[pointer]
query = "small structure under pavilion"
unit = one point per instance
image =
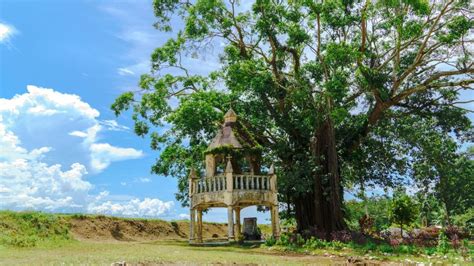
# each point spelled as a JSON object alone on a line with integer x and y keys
{"x": 232, "y": 180}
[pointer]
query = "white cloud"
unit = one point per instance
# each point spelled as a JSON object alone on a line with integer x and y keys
{"x": 145, "y": 180}
{"x": 39, "y": 131}
{"x": 103, "y": 154}
{"x": 113, "y": 125}
{"x": 183, "y": 216}
{"x": 134, "y": 208}
{"x": 29, "y": 183}
{"x": 125, "y": 72}
{"x": 45, "y": 117}
{"x": 7, "y": 32}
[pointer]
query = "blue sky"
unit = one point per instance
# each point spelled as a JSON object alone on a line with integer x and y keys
{"x": 62, "y": 63}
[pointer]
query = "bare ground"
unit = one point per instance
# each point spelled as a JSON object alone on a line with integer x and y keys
{"x": 103, "y": 229}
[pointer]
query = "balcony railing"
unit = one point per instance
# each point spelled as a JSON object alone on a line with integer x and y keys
{"x": 239, "y": 182}
{"x": 211, "y": 184}
{"x": 251, "y": 182}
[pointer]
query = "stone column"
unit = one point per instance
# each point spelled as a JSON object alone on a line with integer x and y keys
{"x": 192, "y": 220}
{"x": 230, "y": 223}
{"x": 210, "y": 165}
{"x": 237, "y": 223}
{"x": 199, "y": 229}
{"x": 275, "y": 221}
{"x": 228, "y": 175}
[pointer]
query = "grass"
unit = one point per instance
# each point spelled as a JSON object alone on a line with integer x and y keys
{"x": 29, "y": 229}
{"x": 39, "y": 238}
{"x": 177, "y": 252}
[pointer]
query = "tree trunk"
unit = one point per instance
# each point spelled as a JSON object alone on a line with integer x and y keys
{"x": 321, "y": 210}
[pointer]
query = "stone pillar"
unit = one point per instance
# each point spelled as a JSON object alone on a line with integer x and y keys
{"x": 273, "y": 179}
{"x": 230, "y": 223}
{"x": 192, "y": 220}
{"x": 275, "y": 221}
{"x": 229, "y": 175}
{"x": 199, "y": 229}
{"x": 237, "y": 223}
{"x": 210, "y": 165}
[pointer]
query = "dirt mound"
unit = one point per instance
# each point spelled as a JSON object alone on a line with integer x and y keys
{"x": 103, "y": 228}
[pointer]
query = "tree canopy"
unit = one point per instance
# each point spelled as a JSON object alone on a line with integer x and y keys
{"x": 336, "y": 92}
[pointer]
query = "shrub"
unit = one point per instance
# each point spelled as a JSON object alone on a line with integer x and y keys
{"x": 369, "y": 246}
{"x": 342, "y": 236}
{"x": 455, "y": 231}
{"x": 284, "y": 240}
{"x": 315, "y": 243}
{"x": 271, "y": 241}
{"x": 455, "y": 242}
{"x": 366, "y": 224}
{"x": 430, "y": 251}
{"x": 427, "y": 237}
{"x": 406, "y": 249}
{"x": 443, "y": 243}
{"x": 359, "y": 238}
{"x": 337, "y": 245}
{"x": 384, "y": 248}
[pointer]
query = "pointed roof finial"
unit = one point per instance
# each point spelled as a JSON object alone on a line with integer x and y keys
{"x": 230, "y": 116}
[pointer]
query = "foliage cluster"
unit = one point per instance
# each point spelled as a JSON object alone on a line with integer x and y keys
{"x": 443, "y": 245}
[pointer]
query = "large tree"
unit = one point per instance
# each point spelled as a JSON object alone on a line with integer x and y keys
{"x": 336, "y": 92}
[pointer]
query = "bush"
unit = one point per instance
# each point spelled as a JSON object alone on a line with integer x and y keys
{"x": 427, "y": 237}
{"x": 443, "y": 243}
{"x": 337, "y": 245}
{"x": 284, "y": 240}
{"x": 342, "y": 236}
{"x": 369, "y": 246}
{"x": 271, "y": 241}
{"x": 315, "y": 243}
{"x": 384, "y": 248}
{"x": 406, "y": 249}
{"x": 366, "y": 224}
{"x": 452, "y": 231}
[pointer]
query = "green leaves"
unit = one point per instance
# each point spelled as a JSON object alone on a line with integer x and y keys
{"x": 168, "y": 53}
{"x": 457, "y": 27}
{"x": 122, "y": 103}
{"x": 403, "y": 209}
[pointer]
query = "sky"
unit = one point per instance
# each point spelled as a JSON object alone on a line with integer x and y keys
{"x": 62, "y": 64}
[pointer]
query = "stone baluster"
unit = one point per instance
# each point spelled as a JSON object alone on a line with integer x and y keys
{"x": 258, "y": 182}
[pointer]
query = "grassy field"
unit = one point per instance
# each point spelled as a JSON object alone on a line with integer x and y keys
{"x": 28, "y": 238}
{"x": 168, "y": 252}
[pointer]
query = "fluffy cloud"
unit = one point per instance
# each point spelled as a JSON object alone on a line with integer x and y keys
{"x": 134, "y": 208}
{"x": 45, "y": 117}
{"x": 6, "y": 32}
{"x": 42, "y": 131}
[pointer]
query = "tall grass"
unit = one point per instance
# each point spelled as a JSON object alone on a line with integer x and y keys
{"x": 29, "y": 229}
